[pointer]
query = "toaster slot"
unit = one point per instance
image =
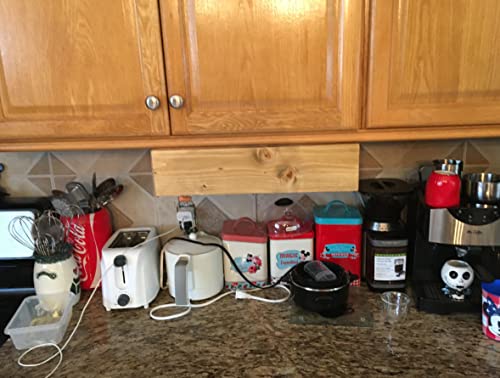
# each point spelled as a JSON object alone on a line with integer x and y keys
{"x": 120, "y": 280}
{"x": 128, "y": 239}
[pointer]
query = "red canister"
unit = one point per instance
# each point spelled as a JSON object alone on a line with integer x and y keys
{"x": 88, "y": 233}
{"x": 442, "y": 189}
{"x": 338, "y": 236}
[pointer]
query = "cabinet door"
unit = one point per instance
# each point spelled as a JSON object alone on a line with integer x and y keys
{"x": 434, "y": 63}
{"x": 263, "y": 65}
{"x": 80, "y": 68}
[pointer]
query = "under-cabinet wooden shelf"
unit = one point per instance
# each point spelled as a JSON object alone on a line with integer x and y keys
{"x": 286, "y": 169}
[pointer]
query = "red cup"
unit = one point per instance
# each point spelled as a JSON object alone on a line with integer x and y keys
{"x": 443, "y": 189}
{"x": 88, "y": 234}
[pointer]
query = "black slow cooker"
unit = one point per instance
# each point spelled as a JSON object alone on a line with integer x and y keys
{"x": 328, "y": 298}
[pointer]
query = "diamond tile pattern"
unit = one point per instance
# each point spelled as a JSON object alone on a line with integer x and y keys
{"x": 42, "y": 183}
{"x": 143, "y": 165}
{"x": 41, "y": 167}
{"x": 145, "y": 181}
{"x": 61, "y": 181}
{"x": 120, "y": 220}
{"x": 474, "y": 160}
{"x": 307, "y": 204}
{"x": 38, "y": 173}
{"x": 371, "y": 168}
{"x": 59, "y": 167}
{"x": 209, "y": 217}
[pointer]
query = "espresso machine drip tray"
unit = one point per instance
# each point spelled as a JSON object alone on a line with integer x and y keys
{"x": 430, "y": 298}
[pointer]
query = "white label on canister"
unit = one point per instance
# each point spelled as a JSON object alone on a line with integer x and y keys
{"x": 285, "y": 253}
{"x": 390, "y": 267}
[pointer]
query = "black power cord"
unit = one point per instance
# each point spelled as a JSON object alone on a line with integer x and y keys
{"x": 233, "y": 263}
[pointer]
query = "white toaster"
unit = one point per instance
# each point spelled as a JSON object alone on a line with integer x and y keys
{"x": 130, "y": 270}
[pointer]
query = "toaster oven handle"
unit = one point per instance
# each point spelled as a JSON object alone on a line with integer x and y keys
{"x": 181, "y": 282}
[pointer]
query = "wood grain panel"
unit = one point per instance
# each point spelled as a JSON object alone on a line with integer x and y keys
{"x": 263, "y": 65}
{"x": 434, "y": 63}
{"x": 80, "y": 60}
{"x": 324, "y": 137}
{"x": 256, "y": 170}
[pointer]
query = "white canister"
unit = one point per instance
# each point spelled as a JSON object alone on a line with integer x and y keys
{"x": 246, "y": 241}
{"x": 55, "y": 276}
{"x": 285, "y": 253}
{"x": 194, "y": 272}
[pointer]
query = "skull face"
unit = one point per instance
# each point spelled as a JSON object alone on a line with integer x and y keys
{"x": 457, "y": 274}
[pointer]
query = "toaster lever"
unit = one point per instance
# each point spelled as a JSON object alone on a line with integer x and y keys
{"x": 119, "y": 261}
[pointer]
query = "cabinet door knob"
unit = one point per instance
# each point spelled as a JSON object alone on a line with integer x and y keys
{"x": 176, "y": 101}
{"x": 152, "y": 102}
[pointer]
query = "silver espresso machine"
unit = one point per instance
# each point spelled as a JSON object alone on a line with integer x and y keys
{"x": 470, "y": 233}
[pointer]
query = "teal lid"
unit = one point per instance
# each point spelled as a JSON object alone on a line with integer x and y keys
{"x": 337, "y": 212}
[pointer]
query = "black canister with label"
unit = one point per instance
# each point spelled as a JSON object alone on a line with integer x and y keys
{"x": 386, "y": 251}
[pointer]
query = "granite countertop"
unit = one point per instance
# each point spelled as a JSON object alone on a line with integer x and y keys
{"x": 252, "y": 339}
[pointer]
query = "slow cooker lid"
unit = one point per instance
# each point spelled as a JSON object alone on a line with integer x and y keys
{"x": 179, "y": 247}
{"x": 300, "y": 277}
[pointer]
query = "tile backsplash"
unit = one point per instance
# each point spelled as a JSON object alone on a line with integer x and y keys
{"x": 35, "y": 174}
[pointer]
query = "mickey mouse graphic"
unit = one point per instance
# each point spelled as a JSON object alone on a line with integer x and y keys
{"x": 493, "y": 314}
{"x": 255, "y": 263}
{"x": 304, "y": 255}
{"x": 325, "y": 252}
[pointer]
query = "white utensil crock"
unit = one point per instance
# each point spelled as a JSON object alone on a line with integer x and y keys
{"x": 195, "y": 272}
{"x": 54, "y": 277}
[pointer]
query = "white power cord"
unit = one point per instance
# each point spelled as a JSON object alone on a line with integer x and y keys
{"x": 60, "y": 349}
{"x": 239, "y": 294}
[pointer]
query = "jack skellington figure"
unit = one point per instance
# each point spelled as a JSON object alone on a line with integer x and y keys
{"x": 457, "y": 276}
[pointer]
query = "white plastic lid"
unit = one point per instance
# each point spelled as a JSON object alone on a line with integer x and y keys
{"x": 179, "y": 247}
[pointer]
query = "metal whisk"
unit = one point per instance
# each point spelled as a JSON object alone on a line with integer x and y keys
{"x": 41, "y": 235}
{"x": 21, "y": 230}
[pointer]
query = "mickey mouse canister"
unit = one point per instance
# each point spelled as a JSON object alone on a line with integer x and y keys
{"x": 246, "y": 241}
{"x": 491, "y": 309}
{"x": 291, "y": 240}
{"x": 338, "y": 236}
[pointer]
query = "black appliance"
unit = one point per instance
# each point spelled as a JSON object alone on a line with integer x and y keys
{"x": 385, "y": 237}
{"x": 465, "y": 233}
{"x": 16, "y": 274}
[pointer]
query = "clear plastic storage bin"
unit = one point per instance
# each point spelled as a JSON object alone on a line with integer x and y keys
{"x": 26, "y": 333}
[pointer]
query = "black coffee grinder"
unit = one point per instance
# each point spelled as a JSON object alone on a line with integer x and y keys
{"x": 385, "y": 236}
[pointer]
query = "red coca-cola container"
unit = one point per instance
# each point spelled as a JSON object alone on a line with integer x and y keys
{"x": 88, "y": 233}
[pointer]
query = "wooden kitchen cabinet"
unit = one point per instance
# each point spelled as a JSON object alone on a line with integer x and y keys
{"x": 434, "y": 63}
{"x": 263, "y": 65}
{"x": 73, "y": 69}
